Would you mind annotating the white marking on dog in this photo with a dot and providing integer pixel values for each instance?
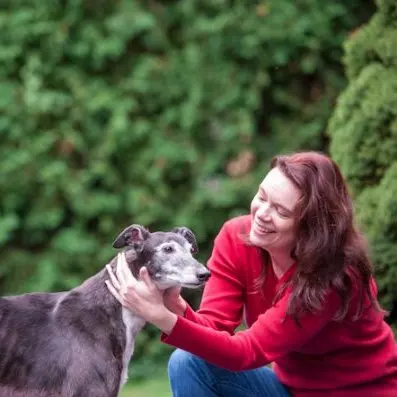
(188, 246)
(133, 324)
(56, 307)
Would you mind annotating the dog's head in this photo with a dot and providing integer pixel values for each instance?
(168, 256)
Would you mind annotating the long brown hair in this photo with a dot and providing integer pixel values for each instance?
(330, 251)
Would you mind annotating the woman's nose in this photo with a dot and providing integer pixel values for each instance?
(263, 211)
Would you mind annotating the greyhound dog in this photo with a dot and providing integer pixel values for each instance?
(79, 343)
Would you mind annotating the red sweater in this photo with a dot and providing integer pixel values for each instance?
(320, 358)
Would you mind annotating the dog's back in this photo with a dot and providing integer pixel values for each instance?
(60, 343)
(12, 392)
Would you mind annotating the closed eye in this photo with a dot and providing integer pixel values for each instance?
(282, 212)
(261, 197)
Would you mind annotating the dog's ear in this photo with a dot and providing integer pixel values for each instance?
(189, 236)
(133, 236)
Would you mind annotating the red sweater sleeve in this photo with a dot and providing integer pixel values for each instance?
(222, 301)
(272, 336)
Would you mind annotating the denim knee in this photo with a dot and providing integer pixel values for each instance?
(181, 362)
(189, 375)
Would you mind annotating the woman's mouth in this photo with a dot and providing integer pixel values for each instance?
(263, 229)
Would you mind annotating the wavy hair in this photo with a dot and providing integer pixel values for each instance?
(330, 251)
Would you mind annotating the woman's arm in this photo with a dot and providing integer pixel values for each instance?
(222, 301)
(272, 336)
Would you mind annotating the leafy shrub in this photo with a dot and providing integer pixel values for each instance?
(158, 113)
(363, 132)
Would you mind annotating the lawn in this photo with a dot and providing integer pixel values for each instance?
(154, 387)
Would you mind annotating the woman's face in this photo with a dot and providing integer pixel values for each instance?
(273, 213)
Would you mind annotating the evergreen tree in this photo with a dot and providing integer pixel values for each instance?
(162, 113)
(363, 131)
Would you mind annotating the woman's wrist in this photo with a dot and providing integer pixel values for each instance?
(177, 306)
(166, 321)
(182, 305)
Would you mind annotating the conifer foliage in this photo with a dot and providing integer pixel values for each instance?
(363, 131)
(163, 113)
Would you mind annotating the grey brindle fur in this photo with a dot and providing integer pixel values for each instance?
(78, 343)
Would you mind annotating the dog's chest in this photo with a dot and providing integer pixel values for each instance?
(133, 325)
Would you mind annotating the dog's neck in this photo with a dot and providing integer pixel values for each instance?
(95, 292)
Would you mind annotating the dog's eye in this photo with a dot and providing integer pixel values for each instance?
(168, 249)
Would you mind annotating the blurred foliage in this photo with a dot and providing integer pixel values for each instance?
(363, 129)
(161, 113)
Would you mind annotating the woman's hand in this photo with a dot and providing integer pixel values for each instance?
(173, 301)
(141, 297)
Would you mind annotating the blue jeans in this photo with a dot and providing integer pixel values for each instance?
(190, 376)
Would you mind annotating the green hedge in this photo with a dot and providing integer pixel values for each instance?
(159, 113)
(363, 133)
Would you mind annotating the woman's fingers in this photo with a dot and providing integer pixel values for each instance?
(125, 270)
(123, 278)
(144, 276)
(128, 277)
(113, 291)
(119, 273)
(113, 278)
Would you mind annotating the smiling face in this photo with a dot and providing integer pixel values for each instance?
(273, 213)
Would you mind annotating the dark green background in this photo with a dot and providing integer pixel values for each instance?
(166, 113)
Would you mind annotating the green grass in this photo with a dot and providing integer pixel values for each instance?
(154, 387)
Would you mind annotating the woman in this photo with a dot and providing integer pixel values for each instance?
(297, 270)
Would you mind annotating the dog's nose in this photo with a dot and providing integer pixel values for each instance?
(203, 275)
